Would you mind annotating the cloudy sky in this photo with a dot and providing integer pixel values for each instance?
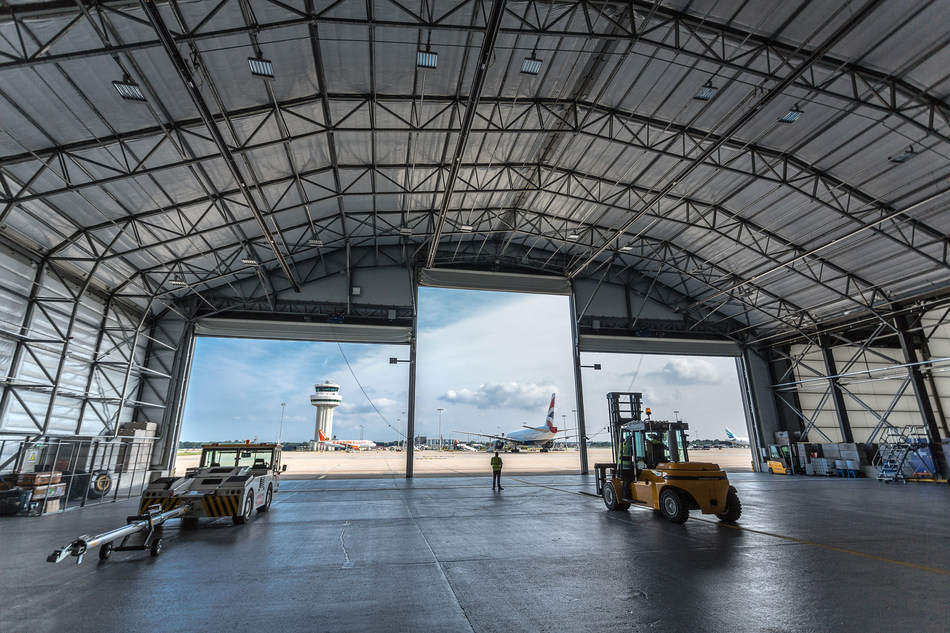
(491, 360)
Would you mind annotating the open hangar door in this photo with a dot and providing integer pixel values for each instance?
(248, 373)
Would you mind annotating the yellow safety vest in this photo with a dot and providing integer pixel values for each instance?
(496, 464)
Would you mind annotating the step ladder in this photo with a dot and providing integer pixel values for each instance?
(896, 446)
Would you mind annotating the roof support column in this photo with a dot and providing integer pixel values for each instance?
(578, 388)
(411, 410)
(841, 410)
(751, 405)
(914, 369)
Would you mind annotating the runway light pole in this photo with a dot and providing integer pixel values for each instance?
(280, 432)
(440, 410)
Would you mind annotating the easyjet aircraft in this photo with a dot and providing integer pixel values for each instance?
(347, 445)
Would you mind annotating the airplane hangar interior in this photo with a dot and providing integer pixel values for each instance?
(762, 181)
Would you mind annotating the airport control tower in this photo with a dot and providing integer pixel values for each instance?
(324, 398)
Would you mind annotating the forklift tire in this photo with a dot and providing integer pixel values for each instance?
(241, 519)
(105, 551)
(611, 500)
(770, 471)
(268, 497)
(673, 506)
(156, 548)
(733, 507)
(788, 471)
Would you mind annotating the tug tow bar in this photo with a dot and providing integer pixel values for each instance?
(147, 524)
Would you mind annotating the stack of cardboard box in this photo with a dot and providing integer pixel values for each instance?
(46, 490)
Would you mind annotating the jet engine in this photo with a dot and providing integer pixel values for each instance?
(498, 445)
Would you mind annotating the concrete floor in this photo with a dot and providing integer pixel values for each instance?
(448, 554)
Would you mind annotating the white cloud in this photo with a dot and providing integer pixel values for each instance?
(517, 395)
(689, 371)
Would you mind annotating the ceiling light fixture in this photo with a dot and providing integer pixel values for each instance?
(904, 156)
(468, 228)
(177, 282)
(405, 230)
(531, 65)
(707, 92)
(128, 89)
(316, 242)
(627, 247)
(427, 59)
(573, 236)
(250, 262)
(261, 67)
(792, 115)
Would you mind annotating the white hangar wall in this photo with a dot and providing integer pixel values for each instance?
(875, 385)
(65, 353)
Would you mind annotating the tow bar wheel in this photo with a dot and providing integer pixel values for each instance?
(105, 551)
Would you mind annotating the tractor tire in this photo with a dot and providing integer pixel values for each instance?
(673, 506)
(611, 500)
(248, 509)
(268, 497)
(98, 483)
(733, 507)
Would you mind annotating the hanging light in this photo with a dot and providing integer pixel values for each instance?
(261, 67)
(707, 92)
(128, 89)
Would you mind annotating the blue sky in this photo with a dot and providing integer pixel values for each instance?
(491, 360)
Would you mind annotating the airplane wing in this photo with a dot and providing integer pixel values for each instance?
(494, 437)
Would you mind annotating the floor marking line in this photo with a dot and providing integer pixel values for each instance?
(835, 548)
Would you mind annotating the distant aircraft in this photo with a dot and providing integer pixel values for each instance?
(732, 437)
(347, 445)
(465, 447)
(542, 436)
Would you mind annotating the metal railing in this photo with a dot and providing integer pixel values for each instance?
(94, 470)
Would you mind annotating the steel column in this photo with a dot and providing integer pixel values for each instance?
(578, 387)
(841, 409)
(914, 369)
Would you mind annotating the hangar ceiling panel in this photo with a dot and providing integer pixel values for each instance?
(763, 166)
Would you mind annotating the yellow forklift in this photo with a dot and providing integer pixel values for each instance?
(651, 467)
(781, 459)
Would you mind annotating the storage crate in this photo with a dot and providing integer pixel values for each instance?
(52, 505)
(49, 491)
(39, 478)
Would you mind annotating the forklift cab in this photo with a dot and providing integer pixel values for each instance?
(781, 459)
(646, 445)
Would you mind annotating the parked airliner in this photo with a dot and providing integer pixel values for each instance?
(732, 437)
(542, 436)
(347, 445)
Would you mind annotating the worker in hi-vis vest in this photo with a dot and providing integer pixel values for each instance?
(496, 472)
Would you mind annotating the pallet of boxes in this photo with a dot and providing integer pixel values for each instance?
(31, 494)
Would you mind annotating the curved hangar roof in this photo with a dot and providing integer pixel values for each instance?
(768, 165)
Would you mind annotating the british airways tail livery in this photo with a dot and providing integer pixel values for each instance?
(542, 436)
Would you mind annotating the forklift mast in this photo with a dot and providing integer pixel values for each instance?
(623, 407)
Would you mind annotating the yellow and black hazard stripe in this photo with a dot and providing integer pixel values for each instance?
(215, 506)
(167, 503)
